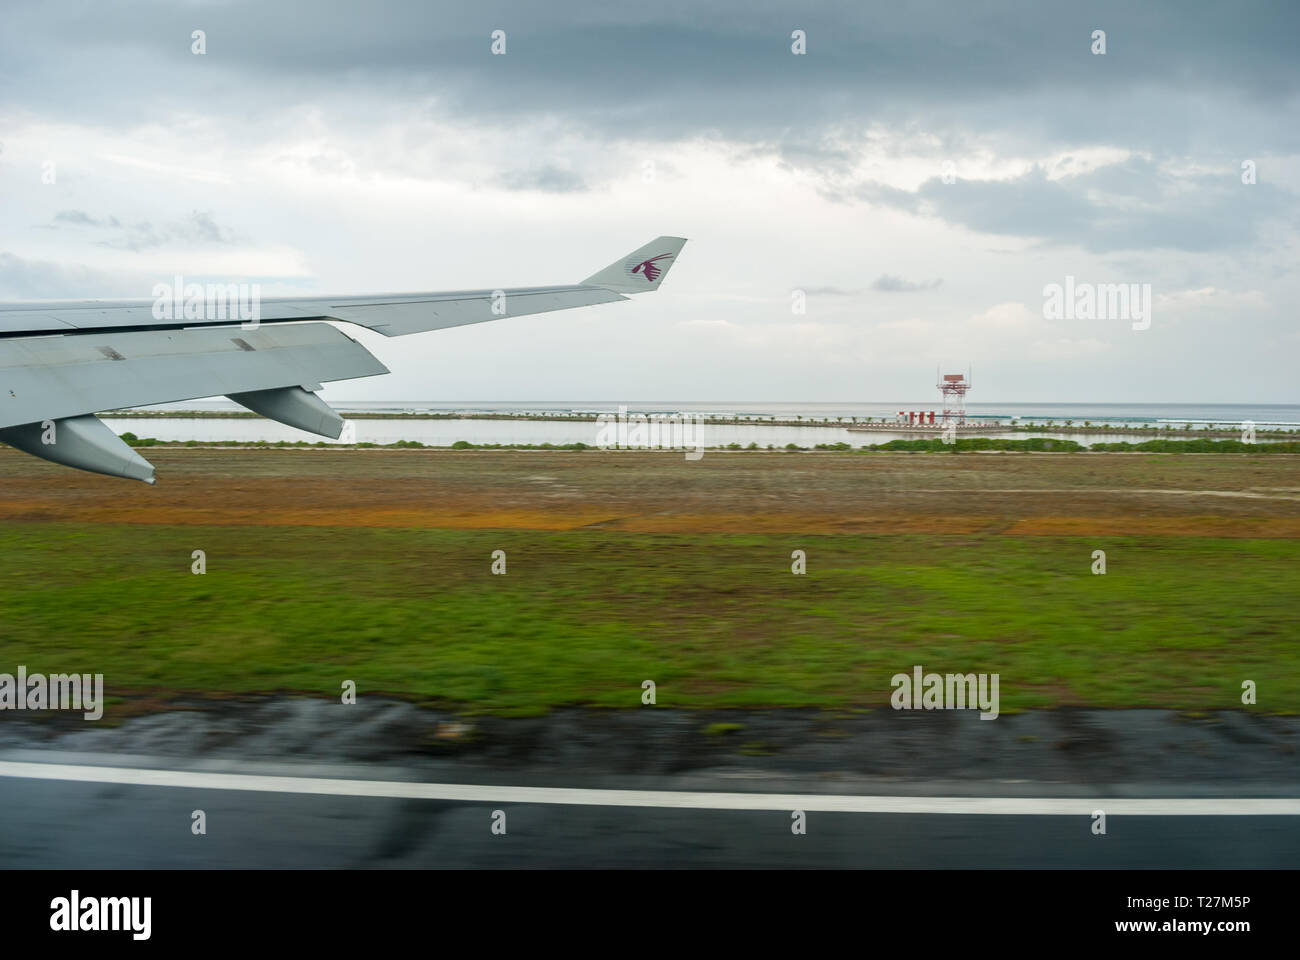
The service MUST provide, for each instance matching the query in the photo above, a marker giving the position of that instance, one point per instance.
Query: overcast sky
(921, 173)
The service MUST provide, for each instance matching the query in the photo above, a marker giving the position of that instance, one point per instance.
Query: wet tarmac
(1088, 746)
(912, 761)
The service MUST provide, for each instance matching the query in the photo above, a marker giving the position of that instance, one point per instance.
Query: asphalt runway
(282, 783)
(252, 821)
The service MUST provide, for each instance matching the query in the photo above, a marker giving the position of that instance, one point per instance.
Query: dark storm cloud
(948, 80)
(677, 69)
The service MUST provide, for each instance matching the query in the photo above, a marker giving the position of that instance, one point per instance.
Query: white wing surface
(63, 361)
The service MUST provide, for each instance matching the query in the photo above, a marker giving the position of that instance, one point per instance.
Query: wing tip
(642, 270)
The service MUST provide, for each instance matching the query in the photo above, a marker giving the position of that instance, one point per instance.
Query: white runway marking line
(822, 803)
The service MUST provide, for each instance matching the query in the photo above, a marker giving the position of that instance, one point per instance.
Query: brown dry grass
(1017, 495)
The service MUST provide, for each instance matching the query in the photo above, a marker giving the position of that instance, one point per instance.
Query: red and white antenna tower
(953, 386)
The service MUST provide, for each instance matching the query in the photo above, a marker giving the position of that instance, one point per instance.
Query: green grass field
(583, 617)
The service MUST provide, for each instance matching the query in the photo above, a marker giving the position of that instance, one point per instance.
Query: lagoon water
(1116, 413)
(444, 432)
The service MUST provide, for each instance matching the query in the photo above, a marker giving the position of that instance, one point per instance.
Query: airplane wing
(63, 361)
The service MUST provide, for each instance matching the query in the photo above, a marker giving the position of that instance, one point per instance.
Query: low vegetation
(585, 616)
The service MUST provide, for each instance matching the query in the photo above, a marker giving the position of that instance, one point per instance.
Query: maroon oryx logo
(648, 268)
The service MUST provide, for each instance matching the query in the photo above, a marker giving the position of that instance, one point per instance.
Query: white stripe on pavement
(827, 803)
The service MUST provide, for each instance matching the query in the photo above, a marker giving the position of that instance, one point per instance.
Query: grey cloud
(829, 292)
(548, 179)
(197, 229)
(1135, 205)
(887, 283)
(81, 218)
(23, 279)
(877, 193)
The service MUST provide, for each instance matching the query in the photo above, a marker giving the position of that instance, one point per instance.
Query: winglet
(641, 270)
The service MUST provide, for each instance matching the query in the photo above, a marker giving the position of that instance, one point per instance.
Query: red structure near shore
(954, 387)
